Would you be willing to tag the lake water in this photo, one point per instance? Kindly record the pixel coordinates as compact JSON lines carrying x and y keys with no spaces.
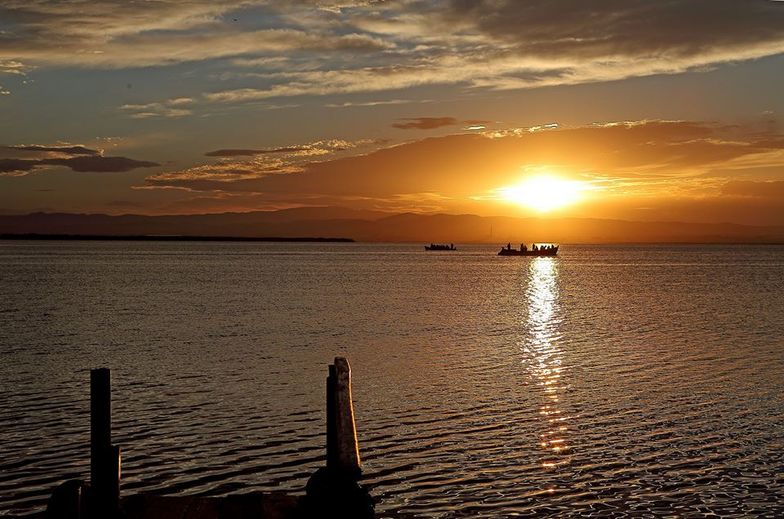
{"x":611,"y":381}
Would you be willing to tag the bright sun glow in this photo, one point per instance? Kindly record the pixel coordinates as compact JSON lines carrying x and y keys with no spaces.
{"x":543,"y":193}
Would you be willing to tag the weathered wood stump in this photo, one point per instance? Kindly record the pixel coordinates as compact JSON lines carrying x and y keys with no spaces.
{"x":342,"y":444}
{"x":335,"y":489}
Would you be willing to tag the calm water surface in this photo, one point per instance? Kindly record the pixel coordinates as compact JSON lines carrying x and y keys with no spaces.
{"x":611,"y":381}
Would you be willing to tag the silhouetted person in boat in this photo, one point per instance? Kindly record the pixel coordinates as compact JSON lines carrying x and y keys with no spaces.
{"x":451,"y":246}
{"x":509,"y":246}
{"x":535,"y":248}
{"x":523,"y":248}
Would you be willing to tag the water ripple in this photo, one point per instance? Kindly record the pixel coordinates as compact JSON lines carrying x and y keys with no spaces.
{"x":609,"y":382}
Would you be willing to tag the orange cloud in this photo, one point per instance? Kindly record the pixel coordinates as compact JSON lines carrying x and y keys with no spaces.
{"x":748,"y":188}
{"x":465,"y":163}
{"x":630,"y":165}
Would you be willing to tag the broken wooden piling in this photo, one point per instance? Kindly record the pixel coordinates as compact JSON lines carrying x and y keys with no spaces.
{"x":335,"y":491}
{"x":342,"y":445}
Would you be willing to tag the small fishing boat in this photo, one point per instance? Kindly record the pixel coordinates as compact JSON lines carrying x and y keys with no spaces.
{"x":535,"y":250}
{"x":439,"y":246}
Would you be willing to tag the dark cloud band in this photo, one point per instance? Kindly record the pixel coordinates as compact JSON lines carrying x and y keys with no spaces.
{"x":66,"y":150}
{"x":79,"y":163}
{"x":250,"y":152}
{"x":425,"y":123}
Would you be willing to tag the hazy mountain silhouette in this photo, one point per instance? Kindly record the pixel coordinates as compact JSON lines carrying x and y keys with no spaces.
{"x":378,"y":226}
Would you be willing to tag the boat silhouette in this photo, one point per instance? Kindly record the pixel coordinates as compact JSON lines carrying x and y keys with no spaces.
{"x":439,"y":246}
{"x":535,"y":250}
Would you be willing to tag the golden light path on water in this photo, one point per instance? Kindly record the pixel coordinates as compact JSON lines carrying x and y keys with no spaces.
{"x":544,"y":357}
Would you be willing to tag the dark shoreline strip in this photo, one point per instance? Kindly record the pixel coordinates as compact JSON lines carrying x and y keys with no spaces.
{"x":144,"y":237}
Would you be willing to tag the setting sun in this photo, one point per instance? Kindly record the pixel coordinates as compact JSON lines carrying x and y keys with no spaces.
{"x":543,"y":193}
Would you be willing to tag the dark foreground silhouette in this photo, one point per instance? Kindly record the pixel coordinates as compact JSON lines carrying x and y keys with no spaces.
{"x":332,"y":491}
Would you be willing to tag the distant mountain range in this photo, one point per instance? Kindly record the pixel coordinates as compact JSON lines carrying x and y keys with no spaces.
{"x":373,"y":226}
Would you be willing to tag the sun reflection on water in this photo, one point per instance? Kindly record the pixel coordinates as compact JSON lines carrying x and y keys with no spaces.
{"x":544,"y":357}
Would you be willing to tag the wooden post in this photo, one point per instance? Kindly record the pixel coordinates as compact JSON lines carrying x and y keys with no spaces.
{"x":104,"y":458}
{"x":100,"y":421}
{"x":342,"y":446}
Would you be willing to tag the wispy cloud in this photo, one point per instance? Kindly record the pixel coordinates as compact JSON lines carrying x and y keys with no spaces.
{"x":236,"y":166}
{"x":177,"y":107}
{"x":354,"y":47}
{"x":13,"y":67}
{"x":112,"y":34}
{"x":384,"y":102}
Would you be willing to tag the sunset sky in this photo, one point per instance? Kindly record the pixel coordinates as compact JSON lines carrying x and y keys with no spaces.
{"x":631,"y":109}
